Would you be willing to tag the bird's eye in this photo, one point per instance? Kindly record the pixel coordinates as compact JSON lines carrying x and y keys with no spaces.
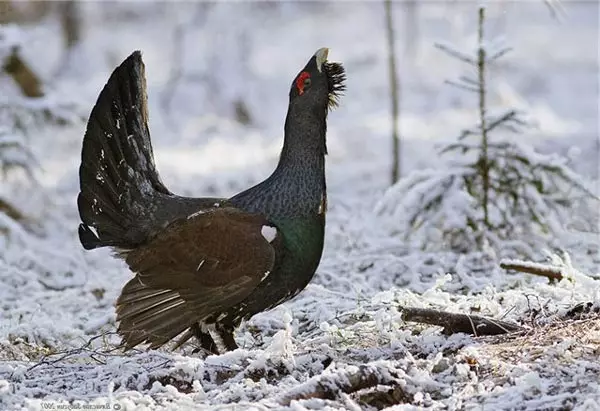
{"x":303,"y":82}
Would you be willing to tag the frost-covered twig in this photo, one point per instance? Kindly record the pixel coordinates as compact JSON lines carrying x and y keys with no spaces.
{"x":553,"y":273}
{"x":63,"y":355}
{"x":455,"y":53}
{"x":458,"y":323}
{"x":331,"y":386}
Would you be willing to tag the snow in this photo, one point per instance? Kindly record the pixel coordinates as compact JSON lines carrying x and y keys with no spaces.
{"x":57,"y":320}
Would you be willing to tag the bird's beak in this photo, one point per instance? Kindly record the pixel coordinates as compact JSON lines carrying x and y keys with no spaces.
{"x":321,"y":56}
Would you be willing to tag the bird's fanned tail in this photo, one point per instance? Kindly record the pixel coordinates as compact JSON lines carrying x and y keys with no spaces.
{"x":118,"y":180}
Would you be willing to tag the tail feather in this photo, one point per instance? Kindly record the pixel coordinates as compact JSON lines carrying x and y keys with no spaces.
{"x":119,"y":183}
{"x":105,"y":172}
{"x":148,"y":315}
{"x":100,"y":207}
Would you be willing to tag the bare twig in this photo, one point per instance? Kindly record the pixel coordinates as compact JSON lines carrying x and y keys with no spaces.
{"x":454,"y":53}
{"x":509,"y":116}
{"x":506,"y":117}
{"x":458,"y":323}
{"x":498,"y":54}
{"x":460,"y":85}
{"x":63,"y":355}
{"x":553,"y":273}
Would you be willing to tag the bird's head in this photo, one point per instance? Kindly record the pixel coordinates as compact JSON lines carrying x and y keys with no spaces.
{"x":319,"y":84}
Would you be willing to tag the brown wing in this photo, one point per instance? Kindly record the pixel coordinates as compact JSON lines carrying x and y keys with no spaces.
{"x":194,"y":268}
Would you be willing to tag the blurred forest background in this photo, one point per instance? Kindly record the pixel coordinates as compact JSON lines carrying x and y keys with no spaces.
{"x":493,"y":117}
{"x":218,"y":71}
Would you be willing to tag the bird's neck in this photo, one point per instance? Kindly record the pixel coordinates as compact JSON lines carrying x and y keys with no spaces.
{"x":305,"y":136}
{"x":297,"y":186}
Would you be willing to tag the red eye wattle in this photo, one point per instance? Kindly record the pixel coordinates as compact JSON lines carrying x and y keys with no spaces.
{"x":300,"y":82}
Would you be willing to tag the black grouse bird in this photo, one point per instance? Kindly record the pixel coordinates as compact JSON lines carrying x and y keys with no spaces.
{"x":203,"y":265}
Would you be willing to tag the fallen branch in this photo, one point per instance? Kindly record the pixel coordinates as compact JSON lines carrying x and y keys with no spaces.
{"x":553,"y":273}
{"x":330,"y":386}
{"x":458,"y":323}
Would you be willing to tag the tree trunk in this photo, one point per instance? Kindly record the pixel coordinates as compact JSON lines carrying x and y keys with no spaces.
{"x":394,"y":90}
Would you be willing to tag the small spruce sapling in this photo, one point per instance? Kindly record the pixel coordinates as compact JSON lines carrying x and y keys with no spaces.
{"x":496,"y":191}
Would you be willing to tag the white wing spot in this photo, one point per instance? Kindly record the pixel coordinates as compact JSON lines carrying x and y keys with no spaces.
{"x":265,"y":275}
{"x":268,"y":232}
{"x":323,"y":204}
{"x":200,"y":265}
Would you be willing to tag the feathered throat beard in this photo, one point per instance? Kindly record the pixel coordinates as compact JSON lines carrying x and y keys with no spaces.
{"x":336,"y":82}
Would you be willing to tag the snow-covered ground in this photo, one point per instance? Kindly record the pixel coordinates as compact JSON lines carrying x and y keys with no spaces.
{"x":57,"y":315}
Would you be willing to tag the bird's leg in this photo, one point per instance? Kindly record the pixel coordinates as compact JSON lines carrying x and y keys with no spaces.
{"x":225,"y":332}
{"x":205,"y":339}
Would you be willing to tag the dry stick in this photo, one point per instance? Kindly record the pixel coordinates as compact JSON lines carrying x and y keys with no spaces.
{"x":458,"y":323}
{"x":329,"y":387}
{"x":548,"y":271}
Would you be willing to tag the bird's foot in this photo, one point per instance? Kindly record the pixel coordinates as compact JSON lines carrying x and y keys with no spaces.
{"x":226,"y":335}
{"x":207,"y":343}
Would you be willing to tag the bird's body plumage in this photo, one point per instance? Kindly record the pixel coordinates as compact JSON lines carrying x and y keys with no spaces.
{"x":204,"y":261}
